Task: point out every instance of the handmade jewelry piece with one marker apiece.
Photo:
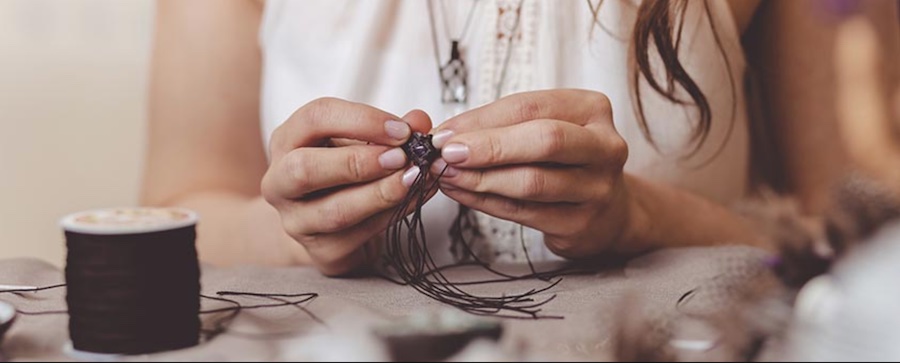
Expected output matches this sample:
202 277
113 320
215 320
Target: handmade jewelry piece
454 74
420 150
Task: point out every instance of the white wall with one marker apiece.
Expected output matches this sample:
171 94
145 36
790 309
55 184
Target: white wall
72 110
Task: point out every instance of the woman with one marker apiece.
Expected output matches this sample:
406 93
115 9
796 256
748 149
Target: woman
637 138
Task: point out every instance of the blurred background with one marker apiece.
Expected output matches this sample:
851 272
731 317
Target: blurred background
73 80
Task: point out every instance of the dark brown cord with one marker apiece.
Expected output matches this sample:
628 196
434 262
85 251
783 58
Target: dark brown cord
407 256
220 326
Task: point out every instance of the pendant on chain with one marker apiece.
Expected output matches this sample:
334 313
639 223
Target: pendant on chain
453 77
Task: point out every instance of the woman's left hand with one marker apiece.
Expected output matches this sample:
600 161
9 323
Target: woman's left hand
550 160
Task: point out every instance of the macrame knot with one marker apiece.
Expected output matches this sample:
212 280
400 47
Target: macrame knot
420 150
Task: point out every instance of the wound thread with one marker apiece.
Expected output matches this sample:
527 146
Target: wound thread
132 293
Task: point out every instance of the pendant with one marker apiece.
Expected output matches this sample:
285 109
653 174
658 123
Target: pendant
453 78
420 150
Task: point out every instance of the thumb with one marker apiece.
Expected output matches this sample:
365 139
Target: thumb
418 120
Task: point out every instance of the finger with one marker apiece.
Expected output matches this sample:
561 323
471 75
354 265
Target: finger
577 106
350 206
531 182
531 142
333 251
307 170
418 120
551 218
326 118
340 244
366 253
862 104
340 266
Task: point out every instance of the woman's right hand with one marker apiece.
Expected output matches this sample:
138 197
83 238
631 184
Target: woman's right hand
336 175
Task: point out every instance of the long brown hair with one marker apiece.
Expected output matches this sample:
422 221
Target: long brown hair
659 26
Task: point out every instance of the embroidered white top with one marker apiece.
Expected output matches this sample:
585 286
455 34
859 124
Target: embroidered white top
381 53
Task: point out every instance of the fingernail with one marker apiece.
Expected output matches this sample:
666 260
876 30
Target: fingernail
440 166
392 159
448 188
455 153
440 138
410 176
397 129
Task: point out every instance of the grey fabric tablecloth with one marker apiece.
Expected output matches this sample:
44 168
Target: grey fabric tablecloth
350 307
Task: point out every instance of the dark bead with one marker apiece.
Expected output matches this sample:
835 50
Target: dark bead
420 150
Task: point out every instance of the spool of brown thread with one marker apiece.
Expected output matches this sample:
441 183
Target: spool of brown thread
133 280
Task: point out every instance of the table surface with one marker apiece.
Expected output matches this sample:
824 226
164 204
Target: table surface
350 307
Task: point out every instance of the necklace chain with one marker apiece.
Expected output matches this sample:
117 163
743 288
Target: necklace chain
465 29
454 74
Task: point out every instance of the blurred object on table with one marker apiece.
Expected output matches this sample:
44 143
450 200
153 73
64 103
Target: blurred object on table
852 312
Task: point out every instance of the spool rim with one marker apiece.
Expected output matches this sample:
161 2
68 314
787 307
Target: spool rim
71 223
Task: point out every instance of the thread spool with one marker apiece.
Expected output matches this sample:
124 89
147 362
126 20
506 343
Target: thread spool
133 280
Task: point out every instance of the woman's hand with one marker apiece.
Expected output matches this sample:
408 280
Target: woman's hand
550 160
336 175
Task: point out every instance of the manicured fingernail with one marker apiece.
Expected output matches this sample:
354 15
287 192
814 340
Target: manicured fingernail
397 129
440 138
410 176
440 166
455 153
392 159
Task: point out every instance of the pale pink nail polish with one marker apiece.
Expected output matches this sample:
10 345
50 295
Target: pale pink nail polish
392 159
441 137
410 176
397 129
455 153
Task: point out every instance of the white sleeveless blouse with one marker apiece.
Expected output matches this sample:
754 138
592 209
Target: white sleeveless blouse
381 53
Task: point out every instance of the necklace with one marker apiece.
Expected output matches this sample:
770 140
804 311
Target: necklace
453 74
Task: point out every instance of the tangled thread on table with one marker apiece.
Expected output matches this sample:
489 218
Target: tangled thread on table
218 326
